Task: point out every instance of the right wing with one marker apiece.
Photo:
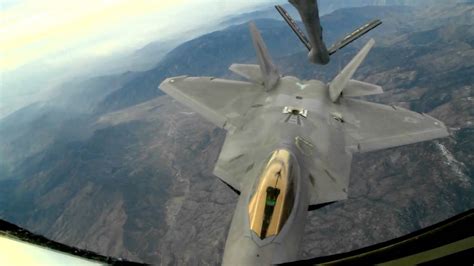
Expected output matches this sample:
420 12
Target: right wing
373 126
222 102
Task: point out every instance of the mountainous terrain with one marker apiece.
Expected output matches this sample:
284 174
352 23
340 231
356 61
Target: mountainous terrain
123 170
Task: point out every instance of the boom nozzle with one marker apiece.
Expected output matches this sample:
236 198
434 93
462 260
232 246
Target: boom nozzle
309 13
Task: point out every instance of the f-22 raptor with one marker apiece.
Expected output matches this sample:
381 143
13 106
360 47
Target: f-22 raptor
289 145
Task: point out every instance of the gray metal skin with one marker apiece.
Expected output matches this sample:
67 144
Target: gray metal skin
309 13
320 124
268 127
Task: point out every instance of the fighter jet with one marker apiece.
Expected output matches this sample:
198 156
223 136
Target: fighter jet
289 145
309 12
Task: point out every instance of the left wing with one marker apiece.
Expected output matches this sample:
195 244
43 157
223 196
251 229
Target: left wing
222 102
373 126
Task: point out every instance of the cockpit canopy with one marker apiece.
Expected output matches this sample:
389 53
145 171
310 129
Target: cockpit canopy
272 201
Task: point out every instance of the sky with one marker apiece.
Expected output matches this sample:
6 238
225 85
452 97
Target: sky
59 31
46 42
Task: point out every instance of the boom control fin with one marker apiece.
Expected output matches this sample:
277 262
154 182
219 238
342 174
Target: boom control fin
356 34
318 53
291 22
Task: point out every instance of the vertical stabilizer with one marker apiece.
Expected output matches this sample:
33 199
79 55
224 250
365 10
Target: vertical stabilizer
269 71
338 84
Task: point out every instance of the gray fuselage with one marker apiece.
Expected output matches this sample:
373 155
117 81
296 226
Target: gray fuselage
289 145
274 129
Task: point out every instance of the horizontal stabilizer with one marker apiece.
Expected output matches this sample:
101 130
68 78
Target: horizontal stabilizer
341 80
250 72
269 71
355 88
356 34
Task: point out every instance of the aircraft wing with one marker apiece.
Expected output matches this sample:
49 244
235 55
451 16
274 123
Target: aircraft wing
222 102
373 126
